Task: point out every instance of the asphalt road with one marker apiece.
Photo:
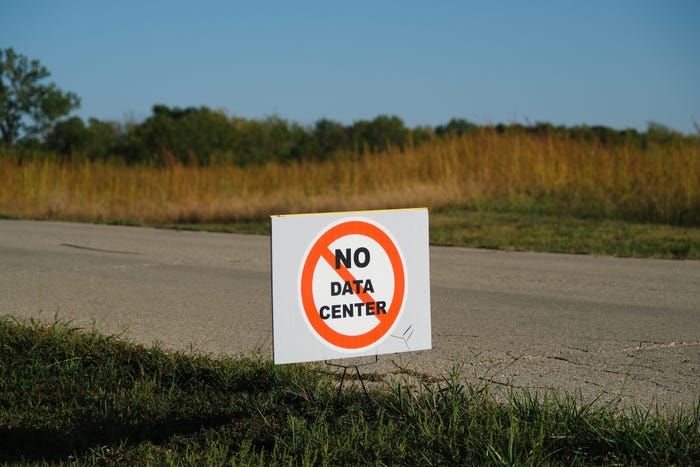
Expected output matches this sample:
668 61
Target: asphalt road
607 328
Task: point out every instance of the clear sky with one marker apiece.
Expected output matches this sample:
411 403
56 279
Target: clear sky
615 63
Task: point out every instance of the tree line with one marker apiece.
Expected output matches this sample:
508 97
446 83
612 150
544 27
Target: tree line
204 136
35 115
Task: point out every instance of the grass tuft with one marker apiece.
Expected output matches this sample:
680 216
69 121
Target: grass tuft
72 396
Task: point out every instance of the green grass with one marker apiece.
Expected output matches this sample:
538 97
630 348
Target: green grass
542 231
502 228
68 396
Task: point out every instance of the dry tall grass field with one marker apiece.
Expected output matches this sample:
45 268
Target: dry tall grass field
515 170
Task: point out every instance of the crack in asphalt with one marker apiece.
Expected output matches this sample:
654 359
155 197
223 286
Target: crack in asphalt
98 250
660 345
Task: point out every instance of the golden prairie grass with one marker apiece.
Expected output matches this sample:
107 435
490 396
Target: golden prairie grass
515 170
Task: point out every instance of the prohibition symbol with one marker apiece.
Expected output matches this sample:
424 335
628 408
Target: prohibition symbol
352 285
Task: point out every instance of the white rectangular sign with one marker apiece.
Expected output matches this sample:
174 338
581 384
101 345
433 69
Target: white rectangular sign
350 284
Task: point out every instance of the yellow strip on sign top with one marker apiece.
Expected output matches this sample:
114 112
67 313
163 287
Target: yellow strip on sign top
347 212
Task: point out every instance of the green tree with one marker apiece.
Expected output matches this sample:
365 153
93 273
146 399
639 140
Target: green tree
28 107
420 135
189 136
660 133
271 139
379 134
71 137
331 137
68 136
102 140
457 126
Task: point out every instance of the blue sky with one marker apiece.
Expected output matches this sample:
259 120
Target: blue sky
615 63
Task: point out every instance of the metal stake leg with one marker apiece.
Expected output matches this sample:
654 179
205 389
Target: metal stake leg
359 376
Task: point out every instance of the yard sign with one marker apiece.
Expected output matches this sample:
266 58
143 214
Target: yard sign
350 284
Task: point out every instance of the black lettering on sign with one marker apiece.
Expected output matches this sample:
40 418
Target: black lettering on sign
335 288
351 310
360 257
355 287
347 310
